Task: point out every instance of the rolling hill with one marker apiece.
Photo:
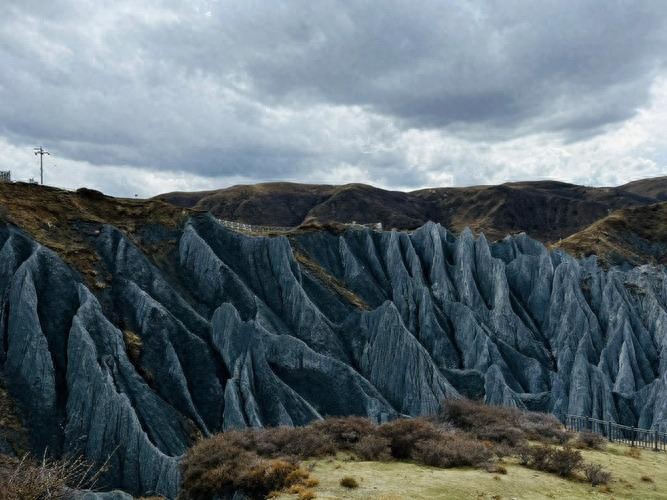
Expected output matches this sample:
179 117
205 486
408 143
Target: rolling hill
636 235
546 210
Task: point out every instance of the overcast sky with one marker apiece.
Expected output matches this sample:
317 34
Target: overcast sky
158 95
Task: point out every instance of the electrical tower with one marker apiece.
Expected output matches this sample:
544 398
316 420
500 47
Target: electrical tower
41 152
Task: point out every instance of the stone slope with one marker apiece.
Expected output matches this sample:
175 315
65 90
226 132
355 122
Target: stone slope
233 331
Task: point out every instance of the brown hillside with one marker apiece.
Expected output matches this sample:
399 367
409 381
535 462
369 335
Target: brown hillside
635 235
546 210
655 187
64 220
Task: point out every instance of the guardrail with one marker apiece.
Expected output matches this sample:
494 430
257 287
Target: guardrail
618 433
251 228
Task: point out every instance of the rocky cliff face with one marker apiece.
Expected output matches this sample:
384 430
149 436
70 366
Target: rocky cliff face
229 331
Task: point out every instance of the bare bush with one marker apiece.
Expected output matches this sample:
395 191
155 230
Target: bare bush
373 448
345 432
349 482
36 480
563 462
451 451
590 441
596 474
404 434
502 424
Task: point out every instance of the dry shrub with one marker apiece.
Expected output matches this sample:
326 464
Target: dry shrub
373 447
590 441
502 424
404 434
501 434
31 480
595 474
543 427
550 459
304 442
633 452
345 432
306 494
349 482
133 345
311 482
647 479
230 461
451 451
266 476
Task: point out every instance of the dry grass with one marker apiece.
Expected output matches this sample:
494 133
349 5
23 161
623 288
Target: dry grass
27 479
633 452
133 345
12 429
349 482
328 280
399 480
633 234
53 217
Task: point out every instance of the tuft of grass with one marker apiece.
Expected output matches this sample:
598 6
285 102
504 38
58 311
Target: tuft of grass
596 474
349 482
589 441
28 479
133 345
647 479
633 452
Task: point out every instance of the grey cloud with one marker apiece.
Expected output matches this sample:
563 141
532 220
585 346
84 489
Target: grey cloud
251 88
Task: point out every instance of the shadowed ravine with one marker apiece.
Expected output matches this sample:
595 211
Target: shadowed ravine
232 331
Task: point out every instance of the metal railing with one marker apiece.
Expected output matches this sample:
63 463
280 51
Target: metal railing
251 228
618 433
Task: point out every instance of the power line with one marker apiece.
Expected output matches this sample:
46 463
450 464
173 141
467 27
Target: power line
41 152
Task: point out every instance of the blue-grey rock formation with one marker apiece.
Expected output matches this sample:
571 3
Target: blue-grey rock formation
229 331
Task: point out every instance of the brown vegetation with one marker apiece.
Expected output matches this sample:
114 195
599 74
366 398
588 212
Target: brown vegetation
636 235
561 461
12 429
28 479
349 482
66 221
328 280
546 210
595 474
505 425
590 441
466 434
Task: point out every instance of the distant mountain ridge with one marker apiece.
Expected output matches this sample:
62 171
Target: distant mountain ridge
546 210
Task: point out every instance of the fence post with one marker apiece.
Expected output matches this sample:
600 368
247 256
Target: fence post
655 439
609 436
634 435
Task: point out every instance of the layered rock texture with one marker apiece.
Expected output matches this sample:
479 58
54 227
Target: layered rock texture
223 330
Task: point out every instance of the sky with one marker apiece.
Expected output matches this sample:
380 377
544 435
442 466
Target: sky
144 97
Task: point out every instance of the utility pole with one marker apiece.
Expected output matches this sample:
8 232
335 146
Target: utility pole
41 152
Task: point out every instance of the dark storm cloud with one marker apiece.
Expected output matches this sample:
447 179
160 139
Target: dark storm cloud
251 88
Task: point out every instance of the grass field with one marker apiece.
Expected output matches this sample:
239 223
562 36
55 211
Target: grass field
644 477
